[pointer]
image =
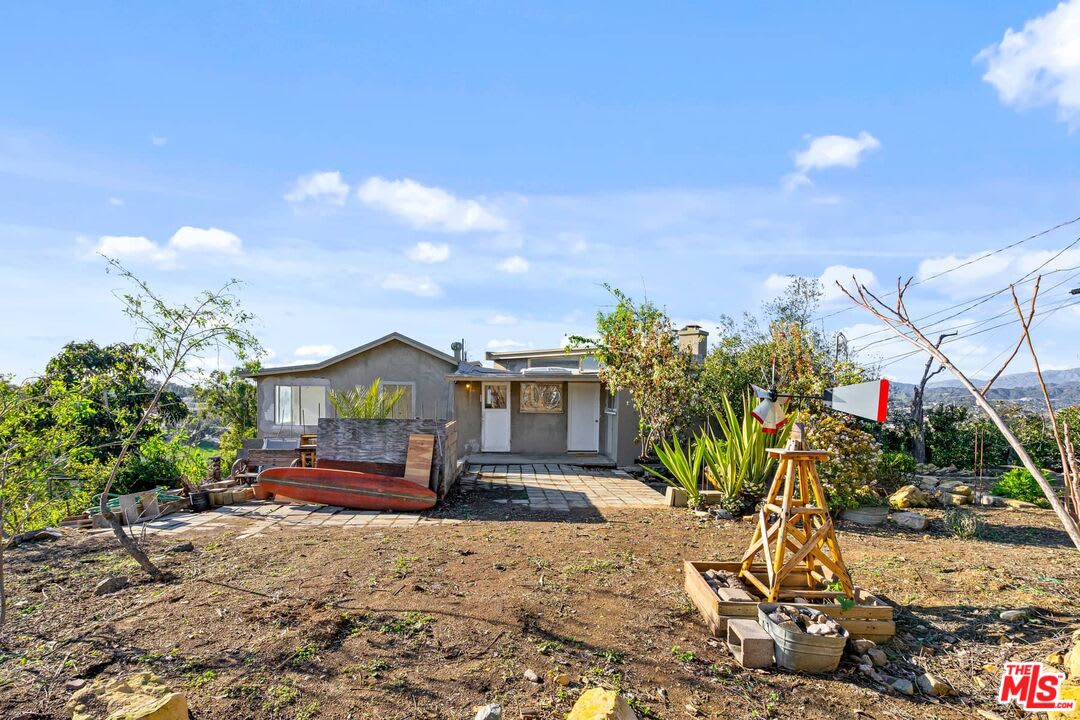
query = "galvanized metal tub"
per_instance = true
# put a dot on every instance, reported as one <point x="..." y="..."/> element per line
<point x="867" y="515"/>
<point x="798" y="651"/>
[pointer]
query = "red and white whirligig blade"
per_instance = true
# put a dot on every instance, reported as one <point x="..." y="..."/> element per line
<point x="868" y="400"/>
<point x="772" y="414"/>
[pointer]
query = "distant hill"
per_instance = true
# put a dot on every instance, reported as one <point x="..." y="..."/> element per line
<point x="1020" y="388"/>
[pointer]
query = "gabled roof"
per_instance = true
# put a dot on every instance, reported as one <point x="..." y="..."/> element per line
<point x="357" y="351"/>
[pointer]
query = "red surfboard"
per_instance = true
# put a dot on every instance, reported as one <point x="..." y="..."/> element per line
<point x="356" y="490"/>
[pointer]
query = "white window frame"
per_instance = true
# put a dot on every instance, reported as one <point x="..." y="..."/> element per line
<point x="298" y="389"/>
<point x="412" y="393"/>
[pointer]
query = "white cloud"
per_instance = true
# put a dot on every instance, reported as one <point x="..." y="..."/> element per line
<point x="426" y="252"/>
<point x="420" y="285"/>
<point x="185" y="240"/>
<point x="116" y="202"/>
<point x="514" y="265"/>
<point x="829" y="151"/>
<point x="1039" y="65"/>
<point x="990" y="270"/>
<point x="320" y="186"/>
<point x="428" y="208"/>
<point x="134" y="247"/>
<point x="502" y="319"/>
<point x="776" y="284"/>
<point x="206" y="240"/>
<point x="159" y="140"/>
<point x="315" y="352"/>
<point x="503" y="345"/>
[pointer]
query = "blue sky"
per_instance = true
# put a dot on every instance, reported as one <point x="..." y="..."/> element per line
<point x="479" y="169"/>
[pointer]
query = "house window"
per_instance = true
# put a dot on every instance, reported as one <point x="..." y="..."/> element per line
<point x="571" y="363"/>
<point x="299" y="404"/>
<point x="589" y="364"/>
<point x="611" y="403"/>
<point x="405" y="408"/>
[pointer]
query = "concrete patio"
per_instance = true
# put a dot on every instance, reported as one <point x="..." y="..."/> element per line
<point x="543" y="488"/>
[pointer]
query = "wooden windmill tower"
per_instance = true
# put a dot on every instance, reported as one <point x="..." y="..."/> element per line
<point x="794" y="532"/>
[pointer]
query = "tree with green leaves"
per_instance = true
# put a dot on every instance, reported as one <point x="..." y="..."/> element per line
<point x="173" y="336"/>
<point x="637" y="347"/>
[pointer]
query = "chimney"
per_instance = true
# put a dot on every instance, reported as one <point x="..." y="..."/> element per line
<point x="695" y="341"/>
<point x="459" y="350"/>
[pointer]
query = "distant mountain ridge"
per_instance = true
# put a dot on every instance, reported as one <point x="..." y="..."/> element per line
<point x="1063" y="386"/>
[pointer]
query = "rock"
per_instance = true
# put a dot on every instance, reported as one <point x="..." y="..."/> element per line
<point x="562" y="679"/>
<point x="137" y="697"/>
<point x="1070" y="690"/>
<point x="991" y="501"/>
<point x="948" y="485"/>
<point x="909" y="496"/>
<point x="909" y="520"/>
<point x="1019" y="504"/>
<point x="721" y="514"/>
<point x="962" y="490"/>
<point x="902" y="686"/>
<point x="702" y="514"/>
<point x="861" y="645"/>
<point x="43" y="535"/>
<point x="933" y="685"/>
<point x="74" y="684"/>
<point x="927" y="480"/>
<point x="601" y="704"/>
<point x="489" y="712"/>
<point x="1012" y="616"/>
<point x="111" y="585"/>
<point x="878" y="657"/>
<point x="1071" y="661"/>
<point x="952" y="499"/>
<point x="181" y="548"/>
<point x="532" y="677"/>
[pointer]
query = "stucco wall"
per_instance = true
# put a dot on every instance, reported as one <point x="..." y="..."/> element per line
<point x="393" y="361"/>
<point x="542" y="432"/>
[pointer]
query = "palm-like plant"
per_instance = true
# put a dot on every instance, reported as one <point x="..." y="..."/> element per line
<point x="368" y="403"/>
<point x="684" y="466"/>
<point x="737" y="462"/>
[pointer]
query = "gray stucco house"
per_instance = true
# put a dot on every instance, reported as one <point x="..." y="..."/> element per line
<point x="292" y="399"/>
<point x="528" y="404"/>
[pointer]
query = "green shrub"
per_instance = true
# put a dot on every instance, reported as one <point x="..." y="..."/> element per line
<point x="1019" y="484"/>
<point x="894" y="470"/>
<point x="962" y="523"/>
<point x="850" y="472"/>
<point x="161" y="461"/>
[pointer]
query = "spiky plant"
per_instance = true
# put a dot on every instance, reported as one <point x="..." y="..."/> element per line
<point x="367" y="403"/>
<point x="684" y="466"/>
<point x="737" y="460"/>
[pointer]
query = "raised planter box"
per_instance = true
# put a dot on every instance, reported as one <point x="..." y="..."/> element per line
<point x="870" y="618"/>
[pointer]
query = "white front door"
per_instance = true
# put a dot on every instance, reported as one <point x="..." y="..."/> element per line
<point x="495" y="417"/>
<point x="583" y="421"/>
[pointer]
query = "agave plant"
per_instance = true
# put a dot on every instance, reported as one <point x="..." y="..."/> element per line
<point x="684" y="466"/>
<point x="737" y="461"/>
<point x="369" y="403"/>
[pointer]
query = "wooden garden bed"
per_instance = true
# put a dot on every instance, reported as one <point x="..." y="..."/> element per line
<point x="870" y="618"/>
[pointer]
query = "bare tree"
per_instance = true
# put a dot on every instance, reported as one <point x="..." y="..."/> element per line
<point x="173" y="336"/>
<point x="897" y="319"/>
<point x="918" y="440"/>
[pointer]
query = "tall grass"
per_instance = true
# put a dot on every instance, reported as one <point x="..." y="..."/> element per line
<point x="368" y="403"/>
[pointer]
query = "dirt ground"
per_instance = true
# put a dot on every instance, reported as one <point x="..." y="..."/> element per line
<point x="430" y="622"/>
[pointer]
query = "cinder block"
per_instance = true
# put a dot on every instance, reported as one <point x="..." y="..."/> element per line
<point x="749" y="643"/>
<point x="733" y="595"/>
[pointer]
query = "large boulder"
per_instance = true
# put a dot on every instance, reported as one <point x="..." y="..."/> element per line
<point x="601" y="704"/>
<point x="952" y="499"/>
<point x="1070" y="690"/>
<point x="137" y="697"/>
<point x="962" y="490"/>
<point x="909" y="496"/>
